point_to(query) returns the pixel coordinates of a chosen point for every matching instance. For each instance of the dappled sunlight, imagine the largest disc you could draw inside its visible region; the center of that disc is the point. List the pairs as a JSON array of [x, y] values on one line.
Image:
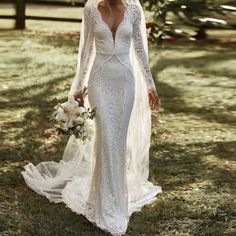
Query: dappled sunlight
[[197, 85], [192, 150]]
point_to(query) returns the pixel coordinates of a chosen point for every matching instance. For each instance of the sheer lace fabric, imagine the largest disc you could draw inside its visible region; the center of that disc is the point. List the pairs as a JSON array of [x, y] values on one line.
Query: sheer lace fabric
[[132, 23], [106, 179]]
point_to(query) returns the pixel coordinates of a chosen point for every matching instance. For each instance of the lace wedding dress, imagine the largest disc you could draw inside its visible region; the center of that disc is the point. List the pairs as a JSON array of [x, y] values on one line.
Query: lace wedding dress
[[103, 180]]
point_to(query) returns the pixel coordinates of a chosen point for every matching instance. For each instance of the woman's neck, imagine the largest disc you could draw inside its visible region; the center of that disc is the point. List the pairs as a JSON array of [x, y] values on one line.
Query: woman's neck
[[113, 2]]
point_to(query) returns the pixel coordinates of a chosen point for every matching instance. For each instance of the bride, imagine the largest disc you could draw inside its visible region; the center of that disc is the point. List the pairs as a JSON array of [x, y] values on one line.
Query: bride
[[106, 179]]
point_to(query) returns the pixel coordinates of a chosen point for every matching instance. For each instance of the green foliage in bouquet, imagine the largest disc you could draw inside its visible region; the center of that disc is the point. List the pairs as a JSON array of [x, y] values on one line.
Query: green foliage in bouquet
[[173, 18]]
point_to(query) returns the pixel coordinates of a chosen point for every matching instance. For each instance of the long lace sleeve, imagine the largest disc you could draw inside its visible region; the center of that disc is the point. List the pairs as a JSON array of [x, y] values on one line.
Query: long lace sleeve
[[140, 51], [86, 51]]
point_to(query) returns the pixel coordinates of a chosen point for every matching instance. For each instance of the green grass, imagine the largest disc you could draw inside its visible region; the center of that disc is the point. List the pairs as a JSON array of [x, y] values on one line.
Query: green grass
[[193, 143]]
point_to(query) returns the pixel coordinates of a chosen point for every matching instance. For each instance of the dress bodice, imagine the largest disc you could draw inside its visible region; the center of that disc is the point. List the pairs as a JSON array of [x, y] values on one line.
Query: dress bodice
[[104, 40], [98, 34]]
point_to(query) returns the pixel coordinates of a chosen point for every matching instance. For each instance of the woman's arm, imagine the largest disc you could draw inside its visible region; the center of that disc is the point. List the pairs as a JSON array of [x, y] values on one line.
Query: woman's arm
[[86, 49], [154, 100], [140, 51]]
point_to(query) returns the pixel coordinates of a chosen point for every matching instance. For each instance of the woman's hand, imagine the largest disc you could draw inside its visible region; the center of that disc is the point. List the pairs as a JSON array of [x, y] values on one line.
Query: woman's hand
[[154, 100], [80, 97]]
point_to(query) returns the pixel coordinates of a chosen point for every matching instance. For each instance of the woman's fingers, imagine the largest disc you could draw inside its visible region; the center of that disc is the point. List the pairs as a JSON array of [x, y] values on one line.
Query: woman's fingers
[[79, 97], [154, 101], [151, 100]]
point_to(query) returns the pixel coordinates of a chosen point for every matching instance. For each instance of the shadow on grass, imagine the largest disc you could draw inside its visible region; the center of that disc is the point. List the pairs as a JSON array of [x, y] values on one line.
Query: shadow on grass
[[179, 168], [176, 165], [197, 191], [31, 137], [173, 102], [173, 97], [204, 63], [225, 150], [47, 219]]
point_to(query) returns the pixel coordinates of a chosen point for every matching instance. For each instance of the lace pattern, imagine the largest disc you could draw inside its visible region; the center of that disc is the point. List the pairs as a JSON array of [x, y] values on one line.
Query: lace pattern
[[90, 14], [106, 180], [87, 47], [139, 48]]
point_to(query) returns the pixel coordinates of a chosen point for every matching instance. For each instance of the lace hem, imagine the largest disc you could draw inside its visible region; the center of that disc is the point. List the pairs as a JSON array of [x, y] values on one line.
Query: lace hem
[[87, 209]]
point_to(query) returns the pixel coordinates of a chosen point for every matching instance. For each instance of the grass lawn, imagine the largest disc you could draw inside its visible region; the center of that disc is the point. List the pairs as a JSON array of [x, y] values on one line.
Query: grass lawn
[[193, 142]]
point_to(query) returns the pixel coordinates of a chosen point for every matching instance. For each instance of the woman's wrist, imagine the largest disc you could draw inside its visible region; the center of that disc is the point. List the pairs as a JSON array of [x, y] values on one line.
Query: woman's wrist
[[152, 90]]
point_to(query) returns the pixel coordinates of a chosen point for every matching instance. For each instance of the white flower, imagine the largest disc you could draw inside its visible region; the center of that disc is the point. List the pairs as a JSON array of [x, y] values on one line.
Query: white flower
[[79, 120], [70, 106], [71, 120], [70, 115], [61, 116], [79, 110], [78, 127], [70, 124]]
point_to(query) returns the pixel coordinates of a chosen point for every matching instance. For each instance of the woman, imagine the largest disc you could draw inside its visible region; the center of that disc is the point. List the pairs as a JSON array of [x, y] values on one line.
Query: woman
[[106, 179]]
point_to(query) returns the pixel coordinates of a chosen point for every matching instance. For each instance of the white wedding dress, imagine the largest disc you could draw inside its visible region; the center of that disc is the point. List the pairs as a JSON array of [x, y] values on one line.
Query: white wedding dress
[[100, 180]]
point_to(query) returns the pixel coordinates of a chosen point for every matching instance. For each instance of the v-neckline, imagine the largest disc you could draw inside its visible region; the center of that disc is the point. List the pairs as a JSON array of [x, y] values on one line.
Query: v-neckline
[[108, 27]]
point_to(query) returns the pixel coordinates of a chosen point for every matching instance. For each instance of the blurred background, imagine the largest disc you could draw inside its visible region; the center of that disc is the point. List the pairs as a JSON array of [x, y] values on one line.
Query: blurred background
[[192, 53]]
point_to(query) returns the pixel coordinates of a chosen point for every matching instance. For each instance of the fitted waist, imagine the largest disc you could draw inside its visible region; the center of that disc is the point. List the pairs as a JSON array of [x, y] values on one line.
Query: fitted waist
[[109, 60], [111, 52]]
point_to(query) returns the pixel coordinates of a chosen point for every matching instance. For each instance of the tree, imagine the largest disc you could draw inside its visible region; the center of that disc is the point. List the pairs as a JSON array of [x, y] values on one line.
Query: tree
[[180, 18]]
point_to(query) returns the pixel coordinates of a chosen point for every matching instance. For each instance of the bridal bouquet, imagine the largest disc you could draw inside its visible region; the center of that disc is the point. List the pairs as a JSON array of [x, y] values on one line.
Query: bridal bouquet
[[72, 118]]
